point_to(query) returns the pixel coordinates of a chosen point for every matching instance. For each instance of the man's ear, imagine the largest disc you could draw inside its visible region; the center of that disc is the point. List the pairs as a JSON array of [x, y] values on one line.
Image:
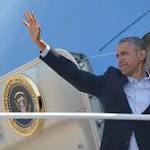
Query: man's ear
[[142, 54]]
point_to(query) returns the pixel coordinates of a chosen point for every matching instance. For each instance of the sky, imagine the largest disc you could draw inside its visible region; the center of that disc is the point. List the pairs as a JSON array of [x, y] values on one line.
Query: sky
[[81, 26]]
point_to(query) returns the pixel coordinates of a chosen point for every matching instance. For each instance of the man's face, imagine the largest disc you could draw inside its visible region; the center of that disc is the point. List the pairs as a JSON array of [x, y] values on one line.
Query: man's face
[[129, 58]]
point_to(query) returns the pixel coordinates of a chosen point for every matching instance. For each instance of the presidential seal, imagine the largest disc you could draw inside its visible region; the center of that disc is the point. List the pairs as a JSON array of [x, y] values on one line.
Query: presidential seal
[[22, 95]]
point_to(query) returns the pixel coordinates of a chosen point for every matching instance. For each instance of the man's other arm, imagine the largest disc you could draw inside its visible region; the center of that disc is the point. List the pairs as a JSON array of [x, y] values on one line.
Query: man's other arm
[[82, 80]]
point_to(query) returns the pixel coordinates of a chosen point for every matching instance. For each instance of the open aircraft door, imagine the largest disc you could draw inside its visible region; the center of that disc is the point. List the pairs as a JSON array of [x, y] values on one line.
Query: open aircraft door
[[35, 87]]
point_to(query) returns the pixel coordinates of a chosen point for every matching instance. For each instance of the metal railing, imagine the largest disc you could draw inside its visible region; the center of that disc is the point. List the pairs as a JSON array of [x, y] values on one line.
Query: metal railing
[[76, 115]]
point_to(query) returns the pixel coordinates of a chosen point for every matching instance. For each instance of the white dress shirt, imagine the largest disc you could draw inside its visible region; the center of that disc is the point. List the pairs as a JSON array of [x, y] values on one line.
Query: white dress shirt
[[138, 96], [45, 52]]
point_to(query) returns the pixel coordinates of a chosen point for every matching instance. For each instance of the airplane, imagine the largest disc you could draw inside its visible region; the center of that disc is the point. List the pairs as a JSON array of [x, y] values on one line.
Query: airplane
[[34, 87]]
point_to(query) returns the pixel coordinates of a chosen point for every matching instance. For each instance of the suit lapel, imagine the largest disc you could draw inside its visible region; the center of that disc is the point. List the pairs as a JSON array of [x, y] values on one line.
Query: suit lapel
[[123, 99]]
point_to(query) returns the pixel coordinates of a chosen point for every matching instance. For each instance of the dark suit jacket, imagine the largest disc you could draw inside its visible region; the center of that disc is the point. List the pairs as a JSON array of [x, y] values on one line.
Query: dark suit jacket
[[109, 89]]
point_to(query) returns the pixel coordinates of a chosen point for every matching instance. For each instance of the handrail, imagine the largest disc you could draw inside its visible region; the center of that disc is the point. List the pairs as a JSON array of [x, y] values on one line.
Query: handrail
[[74, 115]]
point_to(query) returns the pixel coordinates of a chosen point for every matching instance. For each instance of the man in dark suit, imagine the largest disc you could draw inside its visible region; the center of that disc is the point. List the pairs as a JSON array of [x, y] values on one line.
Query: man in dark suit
[[123, 90]]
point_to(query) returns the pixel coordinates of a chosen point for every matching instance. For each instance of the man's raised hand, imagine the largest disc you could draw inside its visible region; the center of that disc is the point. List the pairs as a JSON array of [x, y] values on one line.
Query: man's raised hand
[[32, 26]]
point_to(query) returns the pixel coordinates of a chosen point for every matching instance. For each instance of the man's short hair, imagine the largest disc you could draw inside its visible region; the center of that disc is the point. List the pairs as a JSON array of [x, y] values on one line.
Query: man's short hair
[[136, 41]]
